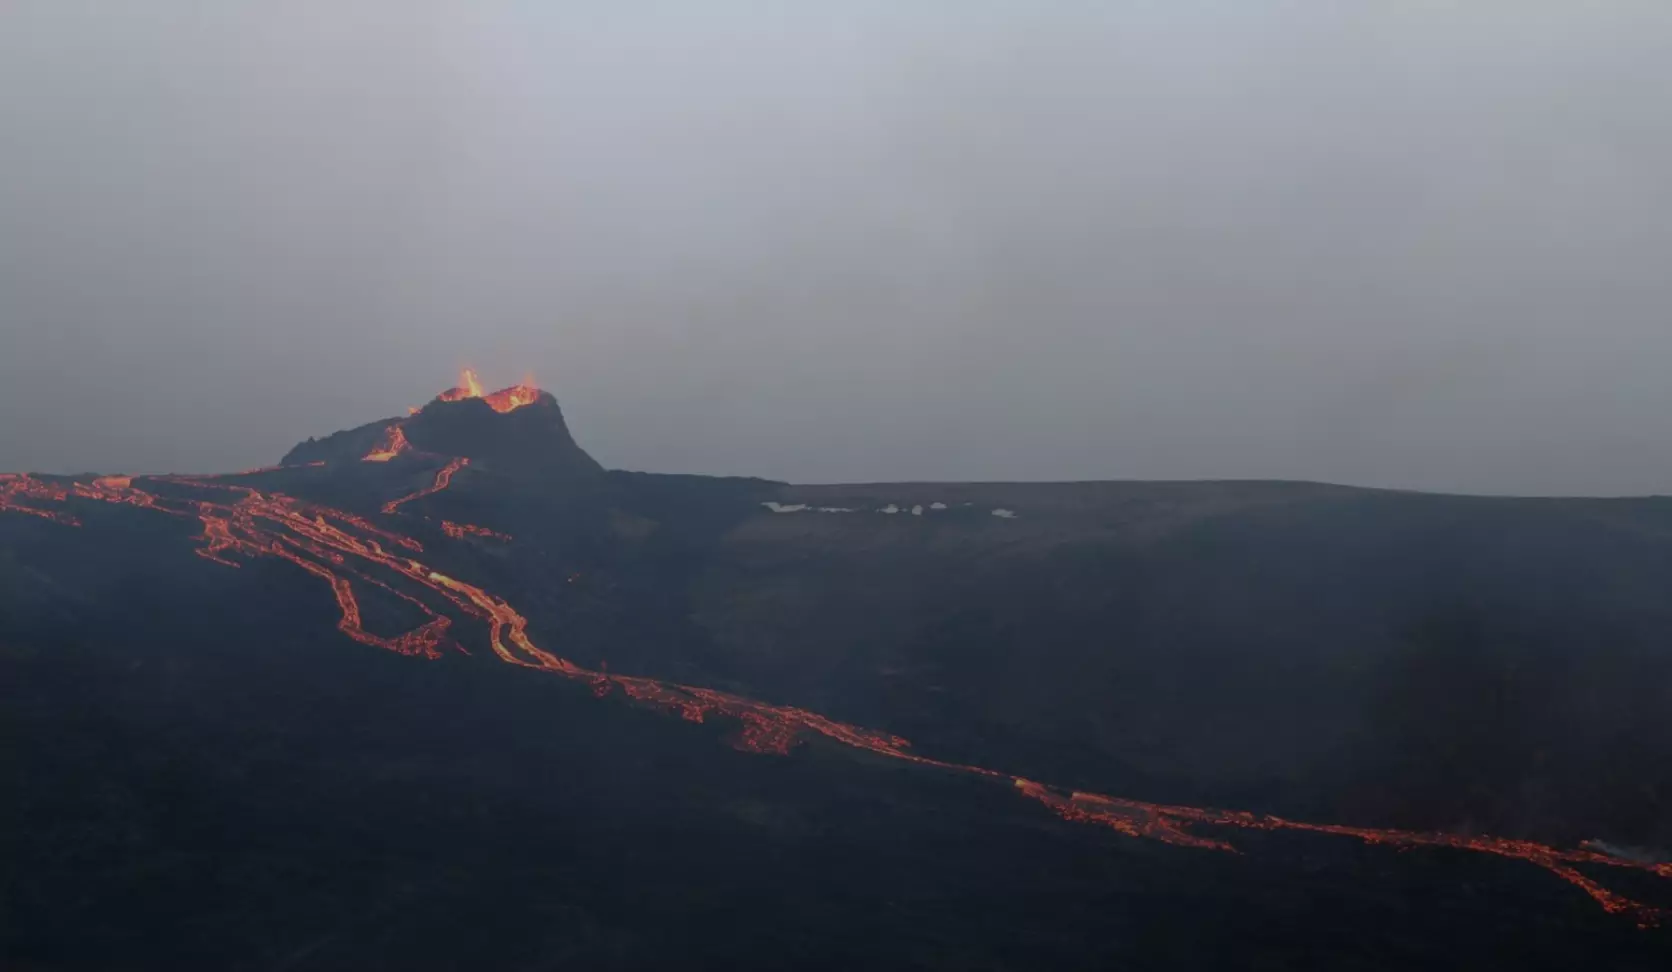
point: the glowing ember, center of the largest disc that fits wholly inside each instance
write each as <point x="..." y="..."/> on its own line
<point x="342" y="549"/>
<point x="458" y="531"/>
<point x="392" y="444"/>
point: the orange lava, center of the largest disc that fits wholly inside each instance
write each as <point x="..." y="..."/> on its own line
<point x="505" y="400"/>
<point x="392" y="444"/>
<point x="469" y="386"/>
<point x="112" y="489"/>
<point x="1170" y="824"/>
<point x="443" y="478"/>
<point x="16" y="488"/>
<point x="343" y="549"/>
<point x="458" y="531"/>
<point x="513" y="398"/>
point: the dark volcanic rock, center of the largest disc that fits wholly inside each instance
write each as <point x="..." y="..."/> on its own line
<point x="203" y="772"/>
<point x="533" y="438"/>
<point x="345" y="446"/>
<point x="530" y="441"/>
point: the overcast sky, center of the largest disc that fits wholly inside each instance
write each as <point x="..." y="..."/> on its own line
<point x="1401" y="244"/>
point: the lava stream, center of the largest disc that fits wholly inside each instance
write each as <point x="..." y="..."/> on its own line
<point x="341" y="548"/>
<point x="513" y="398"/>
<point x="458" y="531"/>
<point x="392" y="444"/>
<point x="443" y="479"/>
<point x="15" y="488"/>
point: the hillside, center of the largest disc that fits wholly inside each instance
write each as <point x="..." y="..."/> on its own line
<point x="440" y="688"/>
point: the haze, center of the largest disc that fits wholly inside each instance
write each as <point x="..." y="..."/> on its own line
<point x="1415" y="244"/>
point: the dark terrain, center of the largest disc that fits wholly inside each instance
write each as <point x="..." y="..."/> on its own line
<point x="201" y="771"/>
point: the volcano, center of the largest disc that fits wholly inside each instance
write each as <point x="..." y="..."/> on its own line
<point x="439" y="688"/>
<point x="519" y="429"/>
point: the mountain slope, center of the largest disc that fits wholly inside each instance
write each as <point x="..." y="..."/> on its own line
<point x="1355" y="660"/>
<point x="1416" y="660"/>
<point x="215" y="779"/>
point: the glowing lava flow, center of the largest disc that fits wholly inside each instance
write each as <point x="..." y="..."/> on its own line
<point x="505" y="400"/>
<point x="513" y="398"/>
<point x="443" y="478"/>
<point x="341" y="548"/>
<point x="468" y="387"/>
<point x="16" y="487"/>
<point x="1169" y="824"/>
<point x="458" y="531"/>
<point x="392" y="444"/>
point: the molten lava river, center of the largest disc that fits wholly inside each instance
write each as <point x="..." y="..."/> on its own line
<point x="344" y="550"/>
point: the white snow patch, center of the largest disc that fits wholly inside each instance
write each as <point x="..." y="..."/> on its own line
<point x="891" y="509"/>
<point x="1005" y="514"/>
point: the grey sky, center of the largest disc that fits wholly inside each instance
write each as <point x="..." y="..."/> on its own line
<point x="1403" y="244"/>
